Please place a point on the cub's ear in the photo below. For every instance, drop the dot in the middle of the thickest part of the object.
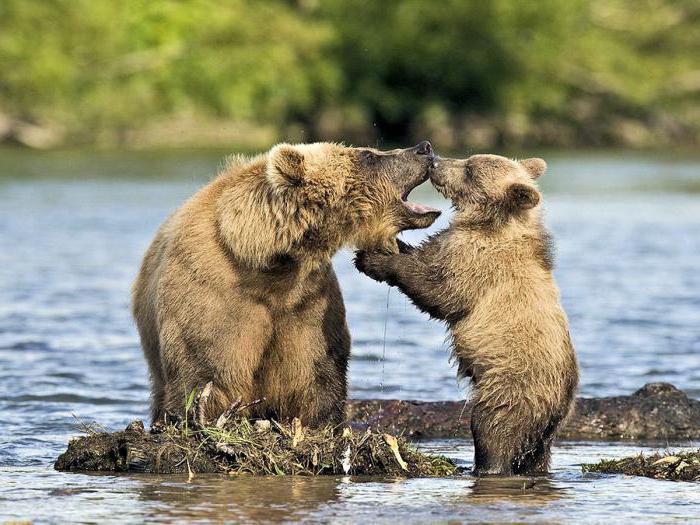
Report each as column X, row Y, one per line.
column 285, row 166
column 534, row 166
column 520, row 197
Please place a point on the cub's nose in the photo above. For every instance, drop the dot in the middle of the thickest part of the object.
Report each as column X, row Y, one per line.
column 425, row 148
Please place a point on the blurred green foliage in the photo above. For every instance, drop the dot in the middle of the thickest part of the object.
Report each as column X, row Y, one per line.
column 472, row 73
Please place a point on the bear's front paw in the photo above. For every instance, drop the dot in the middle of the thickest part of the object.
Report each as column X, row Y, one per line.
column 372, row 264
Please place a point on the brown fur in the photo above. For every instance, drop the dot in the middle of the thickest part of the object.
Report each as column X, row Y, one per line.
column 489, row 275
column 237, row 287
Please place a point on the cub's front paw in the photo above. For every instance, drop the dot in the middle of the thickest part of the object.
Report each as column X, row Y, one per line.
column 404, row 247
column 372, row 264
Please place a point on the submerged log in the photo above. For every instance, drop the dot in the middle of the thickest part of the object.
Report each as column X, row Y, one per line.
column 655, row 412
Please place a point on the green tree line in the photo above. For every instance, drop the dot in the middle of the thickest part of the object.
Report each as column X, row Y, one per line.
column 467, row 73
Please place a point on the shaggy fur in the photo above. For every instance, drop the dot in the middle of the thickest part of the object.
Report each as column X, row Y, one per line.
column 237, row 287
column 489, row 276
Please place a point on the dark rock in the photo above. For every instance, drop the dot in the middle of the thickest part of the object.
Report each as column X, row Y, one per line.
column 417, row 419
column 655, row 412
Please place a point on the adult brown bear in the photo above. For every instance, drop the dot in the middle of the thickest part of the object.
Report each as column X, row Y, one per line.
column 237, row 287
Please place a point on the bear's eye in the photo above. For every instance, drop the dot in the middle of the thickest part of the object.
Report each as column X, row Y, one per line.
column 368, row 155
column 468, row 174
column 369, row 159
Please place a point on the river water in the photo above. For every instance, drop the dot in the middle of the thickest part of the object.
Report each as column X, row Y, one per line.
column 73, row 227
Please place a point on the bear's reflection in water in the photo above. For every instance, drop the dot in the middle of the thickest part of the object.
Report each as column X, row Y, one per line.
column 288, row 498
column 533, row 491
column 241, row 499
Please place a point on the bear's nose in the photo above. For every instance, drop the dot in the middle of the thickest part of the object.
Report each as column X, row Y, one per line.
column 424, row 148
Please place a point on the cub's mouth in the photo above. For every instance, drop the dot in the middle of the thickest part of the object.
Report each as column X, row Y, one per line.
column 437, row 176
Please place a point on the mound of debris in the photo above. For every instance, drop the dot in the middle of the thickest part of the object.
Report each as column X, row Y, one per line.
column 678, row 466
column 235, row 445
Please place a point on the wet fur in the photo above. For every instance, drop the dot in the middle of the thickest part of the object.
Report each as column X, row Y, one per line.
column 237, row 287
column 489, row 277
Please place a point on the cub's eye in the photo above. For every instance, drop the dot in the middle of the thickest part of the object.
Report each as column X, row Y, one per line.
column 468, row 174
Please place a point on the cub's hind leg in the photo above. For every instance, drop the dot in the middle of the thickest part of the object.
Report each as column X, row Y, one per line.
column 494, row 450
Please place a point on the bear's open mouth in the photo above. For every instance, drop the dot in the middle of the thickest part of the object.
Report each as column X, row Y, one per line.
column 419, row 209
column 414, row 207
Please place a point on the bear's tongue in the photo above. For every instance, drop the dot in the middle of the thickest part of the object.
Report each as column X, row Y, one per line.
column 419, row 209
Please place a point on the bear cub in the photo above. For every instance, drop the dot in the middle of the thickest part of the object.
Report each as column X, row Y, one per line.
column 489, row 277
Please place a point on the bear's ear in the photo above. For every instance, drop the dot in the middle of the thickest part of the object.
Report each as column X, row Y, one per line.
column 520, row 197
column 534, row 166
column 285, row 166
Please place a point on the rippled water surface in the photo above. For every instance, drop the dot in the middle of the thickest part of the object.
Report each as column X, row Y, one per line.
column 73, row 228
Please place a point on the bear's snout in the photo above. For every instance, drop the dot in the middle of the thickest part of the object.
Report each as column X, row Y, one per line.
column 425, row 148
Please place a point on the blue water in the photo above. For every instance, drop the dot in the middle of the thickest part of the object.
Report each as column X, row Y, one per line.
column 73, row 228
